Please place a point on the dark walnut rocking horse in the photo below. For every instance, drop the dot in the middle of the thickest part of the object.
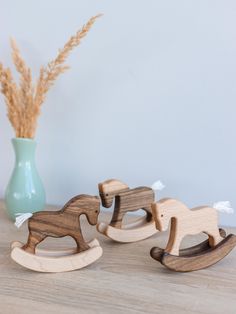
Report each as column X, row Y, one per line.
column 126, row 200
column 65, row 222
column 184, row 221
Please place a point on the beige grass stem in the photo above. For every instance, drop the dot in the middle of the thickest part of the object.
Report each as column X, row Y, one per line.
column 24, row 100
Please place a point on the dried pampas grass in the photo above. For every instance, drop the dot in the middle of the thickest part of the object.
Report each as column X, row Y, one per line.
column 24, row 100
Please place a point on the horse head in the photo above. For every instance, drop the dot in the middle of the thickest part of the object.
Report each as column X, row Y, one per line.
column 93, row 209
column 163, row 211
column 84, row 205
column 109, row 189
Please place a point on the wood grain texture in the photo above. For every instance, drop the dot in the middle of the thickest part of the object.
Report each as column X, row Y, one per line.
column 202, row 259
column 58, row 224
column 128, row 235
column 53, row 262
column 185, row 222
column 109, row 189
column 126, row 200
column 157, row 253
column 55, row 253
column 124, row 280
column 132, row 200
column 65, row 222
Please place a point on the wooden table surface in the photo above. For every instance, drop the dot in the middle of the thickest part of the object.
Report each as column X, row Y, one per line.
column 124, row 280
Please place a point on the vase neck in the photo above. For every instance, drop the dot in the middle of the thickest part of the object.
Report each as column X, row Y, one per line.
column 24, row 149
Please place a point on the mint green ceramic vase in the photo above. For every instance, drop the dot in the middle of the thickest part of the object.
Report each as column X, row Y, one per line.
column 25, row 192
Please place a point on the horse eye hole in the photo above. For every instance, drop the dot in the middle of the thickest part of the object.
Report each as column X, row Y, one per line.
column 162, row 215
column 96, row 211
column 106, row 194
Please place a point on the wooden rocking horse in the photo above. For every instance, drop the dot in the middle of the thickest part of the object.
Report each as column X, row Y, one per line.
column 190, row 222
column 126, row 200
column 65, row 222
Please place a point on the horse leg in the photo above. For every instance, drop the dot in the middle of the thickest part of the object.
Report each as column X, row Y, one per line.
column 173, row 245
column 214, row 237
column 148, row 211
column 117, row 217
column 175, row 239
column 81, row 244
column 34, row 239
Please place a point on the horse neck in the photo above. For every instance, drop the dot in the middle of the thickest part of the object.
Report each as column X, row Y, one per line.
column 78, row 205
column 113, row 195
column 73, row 210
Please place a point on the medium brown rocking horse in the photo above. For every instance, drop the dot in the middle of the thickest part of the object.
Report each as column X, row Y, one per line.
column 126, row 200
column 65, row 222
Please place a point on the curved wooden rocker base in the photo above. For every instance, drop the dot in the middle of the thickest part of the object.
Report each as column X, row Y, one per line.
column 133, row 232
column 55, row 261
column 197, row 257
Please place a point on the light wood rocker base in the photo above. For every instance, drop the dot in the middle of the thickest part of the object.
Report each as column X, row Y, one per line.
column 197, row 257
column 55, row 261
column 136, row 231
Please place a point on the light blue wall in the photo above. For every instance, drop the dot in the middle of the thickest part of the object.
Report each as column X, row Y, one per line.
column 151, row 94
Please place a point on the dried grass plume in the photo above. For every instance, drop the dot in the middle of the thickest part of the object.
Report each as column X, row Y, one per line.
column 24, row 99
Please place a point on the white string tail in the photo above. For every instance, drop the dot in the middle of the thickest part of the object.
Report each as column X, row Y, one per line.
column 21, row 218
column 158, row 186
column 223, row 207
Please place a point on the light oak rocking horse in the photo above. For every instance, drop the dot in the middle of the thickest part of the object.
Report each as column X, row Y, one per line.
column 65, row 222
column 190, row 222
column 127, row 200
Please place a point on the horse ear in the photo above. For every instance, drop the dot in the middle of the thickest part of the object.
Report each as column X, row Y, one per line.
column 100, row 187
